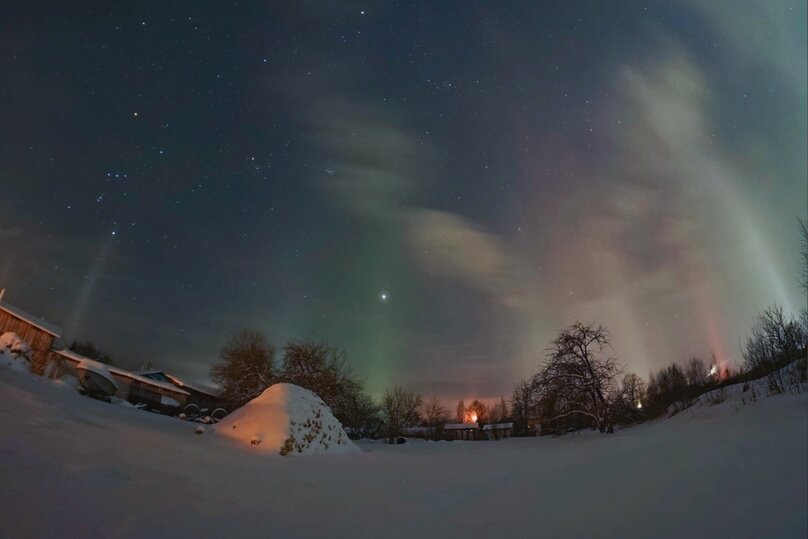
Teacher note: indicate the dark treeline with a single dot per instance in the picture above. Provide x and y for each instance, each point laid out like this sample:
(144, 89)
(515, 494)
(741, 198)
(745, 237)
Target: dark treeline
(579, 385)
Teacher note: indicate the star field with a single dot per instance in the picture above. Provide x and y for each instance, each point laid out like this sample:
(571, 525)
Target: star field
(435, 187)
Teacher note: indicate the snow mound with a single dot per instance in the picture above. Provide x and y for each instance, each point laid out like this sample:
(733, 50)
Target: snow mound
(14, 352)
(288, 420)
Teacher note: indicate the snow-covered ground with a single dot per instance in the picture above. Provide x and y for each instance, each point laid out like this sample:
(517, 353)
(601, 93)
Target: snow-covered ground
(71, 466)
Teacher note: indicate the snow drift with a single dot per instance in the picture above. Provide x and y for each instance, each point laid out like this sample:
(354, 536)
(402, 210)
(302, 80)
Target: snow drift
(288, 420)
(14, 352)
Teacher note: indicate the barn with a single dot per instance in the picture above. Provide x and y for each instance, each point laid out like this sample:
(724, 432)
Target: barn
(41, 335)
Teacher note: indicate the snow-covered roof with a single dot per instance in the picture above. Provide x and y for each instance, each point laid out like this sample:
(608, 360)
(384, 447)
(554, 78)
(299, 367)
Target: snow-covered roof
(418, 430)
(70, 354)
(213, 392)
(498, 426)
(460, 426)
(31, 319)
(98, 368)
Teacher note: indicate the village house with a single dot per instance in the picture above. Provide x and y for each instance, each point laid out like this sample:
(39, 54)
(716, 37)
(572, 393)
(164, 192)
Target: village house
(41, 335)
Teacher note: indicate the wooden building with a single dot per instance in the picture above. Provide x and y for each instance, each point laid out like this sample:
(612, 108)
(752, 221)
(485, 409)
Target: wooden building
(498, 431)
(204, 398)
(156, 395)
(462, 431)
(41, 335)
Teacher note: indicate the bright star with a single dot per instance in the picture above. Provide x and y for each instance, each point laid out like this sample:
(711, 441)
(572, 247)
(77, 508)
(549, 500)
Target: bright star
(384, 296)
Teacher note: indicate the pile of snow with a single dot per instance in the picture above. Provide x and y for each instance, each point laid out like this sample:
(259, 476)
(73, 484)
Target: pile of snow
(15, 352)
(288, 420)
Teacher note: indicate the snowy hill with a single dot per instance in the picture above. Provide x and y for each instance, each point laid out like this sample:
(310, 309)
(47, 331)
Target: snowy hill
(77, 467)
(289, 420)
(722, 400)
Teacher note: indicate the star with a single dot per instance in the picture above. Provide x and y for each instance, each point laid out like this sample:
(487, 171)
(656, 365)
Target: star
(384, 296)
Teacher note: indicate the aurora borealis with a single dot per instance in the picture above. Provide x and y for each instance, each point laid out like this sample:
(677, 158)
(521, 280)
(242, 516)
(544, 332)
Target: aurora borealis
(436, 187)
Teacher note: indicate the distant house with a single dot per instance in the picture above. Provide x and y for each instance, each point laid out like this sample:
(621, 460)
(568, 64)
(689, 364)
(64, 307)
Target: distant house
(154, 394)
(41, 335)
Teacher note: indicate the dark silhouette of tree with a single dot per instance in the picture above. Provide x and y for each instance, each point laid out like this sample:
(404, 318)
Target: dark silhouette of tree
(503, 406)
(434, 413)
(477, 409)
(630, 404)
(578, 378)
(696, 372)
(322, 370)
(400, 410)
(88, 349)
(460, 413)
(361, 415)
(775, 342)
(523, 407)
(666, 387)
(246, 368)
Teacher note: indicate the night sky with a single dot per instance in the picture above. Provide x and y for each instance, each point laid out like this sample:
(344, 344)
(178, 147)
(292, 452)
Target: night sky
(436, 187)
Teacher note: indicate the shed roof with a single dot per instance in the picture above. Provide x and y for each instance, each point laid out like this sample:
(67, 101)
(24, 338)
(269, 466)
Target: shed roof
(199, 388)
(498, 426)
(126, 374)
(460, 426)
(47, 327)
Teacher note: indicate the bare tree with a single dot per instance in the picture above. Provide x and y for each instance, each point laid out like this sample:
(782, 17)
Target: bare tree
(246, 368)
(322, 370)
(435, 415)
(523, 406)
(460, 413)
(578, 378)
(360, 414)
(630, 403)
(633, 387)
(665, 387)
(503, 407)
(477, 412)
(495, 414)
(774, 343)
(400, 410)
(696, 372)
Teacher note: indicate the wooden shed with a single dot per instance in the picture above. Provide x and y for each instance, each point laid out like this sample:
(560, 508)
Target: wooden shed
(206, 398)
(498, 431)
(462, 431)
(35, 331)
(156, 395)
